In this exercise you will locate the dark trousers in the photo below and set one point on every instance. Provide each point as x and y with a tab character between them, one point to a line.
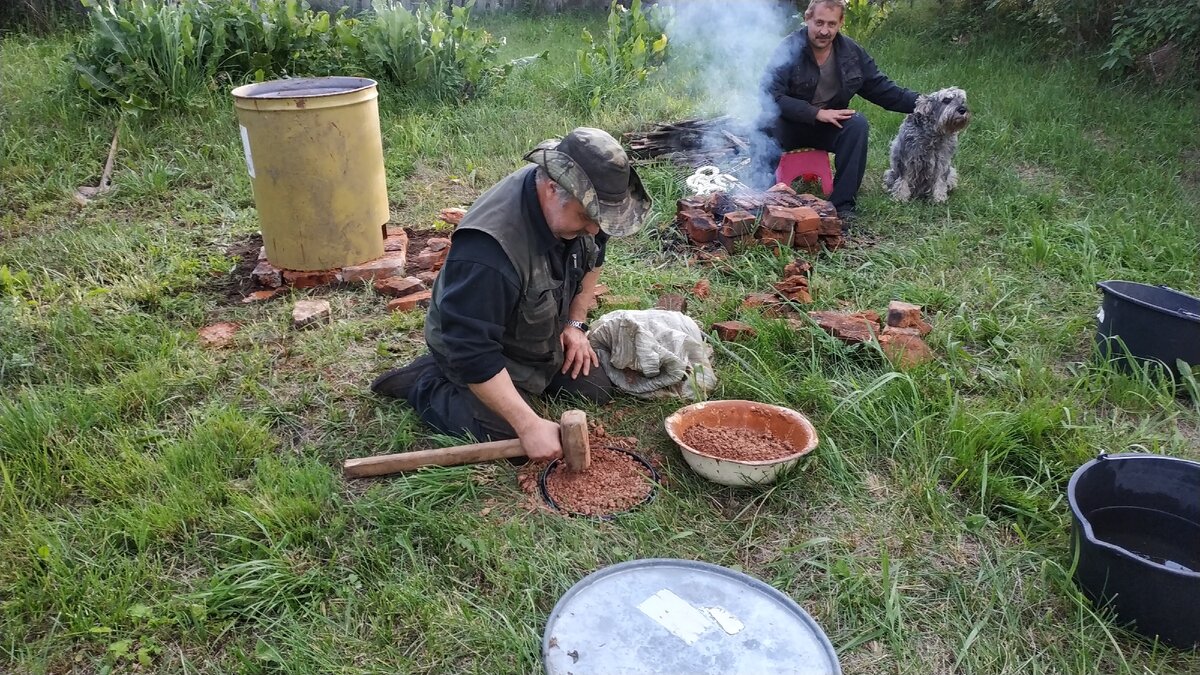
848	145
456	411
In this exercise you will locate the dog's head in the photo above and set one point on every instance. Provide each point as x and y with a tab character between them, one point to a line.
946	109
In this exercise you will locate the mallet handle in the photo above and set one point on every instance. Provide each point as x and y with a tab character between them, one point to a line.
407	461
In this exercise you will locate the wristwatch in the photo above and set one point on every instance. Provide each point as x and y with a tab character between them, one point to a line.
578	324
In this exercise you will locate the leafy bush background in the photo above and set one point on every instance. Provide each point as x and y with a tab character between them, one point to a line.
149	54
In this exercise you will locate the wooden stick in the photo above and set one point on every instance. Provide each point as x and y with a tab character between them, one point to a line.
407	461
106	176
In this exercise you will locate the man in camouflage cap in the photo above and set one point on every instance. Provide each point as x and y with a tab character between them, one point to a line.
507	318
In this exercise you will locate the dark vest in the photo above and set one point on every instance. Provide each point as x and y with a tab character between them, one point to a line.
532	351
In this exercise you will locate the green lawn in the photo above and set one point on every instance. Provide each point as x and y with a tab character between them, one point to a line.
184	507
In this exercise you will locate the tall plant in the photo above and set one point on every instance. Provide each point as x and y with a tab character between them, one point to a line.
432	49
609	68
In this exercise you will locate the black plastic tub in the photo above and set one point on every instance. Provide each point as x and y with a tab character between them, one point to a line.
1155	323
1136	533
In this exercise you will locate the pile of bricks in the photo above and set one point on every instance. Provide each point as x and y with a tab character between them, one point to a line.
407	279
901	338
778	217
792	289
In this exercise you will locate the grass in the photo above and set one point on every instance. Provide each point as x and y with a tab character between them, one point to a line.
181	510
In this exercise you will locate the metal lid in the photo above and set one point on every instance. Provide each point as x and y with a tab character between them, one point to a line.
681	616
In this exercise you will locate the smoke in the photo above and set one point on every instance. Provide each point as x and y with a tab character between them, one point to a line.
729	43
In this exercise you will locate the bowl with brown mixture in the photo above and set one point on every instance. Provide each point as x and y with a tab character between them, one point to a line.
741	442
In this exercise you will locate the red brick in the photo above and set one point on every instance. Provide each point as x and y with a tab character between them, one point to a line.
427	277
309	313
905	350
453	216
266	274
310	279
259	296
758	300
807	220
732	331
849	328
429	260
398	287
831	226
795	288
782	187
437	244
773	238
693	203
795	268
672	302
410	302
779	219
808	241
906	315
396	240
387	265
738	224
699	226
701	289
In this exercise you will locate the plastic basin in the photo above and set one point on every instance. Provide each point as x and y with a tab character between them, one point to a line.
784	424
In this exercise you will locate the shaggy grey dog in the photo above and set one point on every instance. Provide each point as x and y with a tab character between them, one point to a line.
924	147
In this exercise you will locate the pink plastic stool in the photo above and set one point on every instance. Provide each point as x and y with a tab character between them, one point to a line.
805	162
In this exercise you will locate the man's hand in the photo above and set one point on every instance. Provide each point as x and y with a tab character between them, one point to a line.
578	355
541	440
834	117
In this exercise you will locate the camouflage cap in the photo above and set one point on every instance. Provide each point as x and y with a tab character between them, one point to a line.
593	167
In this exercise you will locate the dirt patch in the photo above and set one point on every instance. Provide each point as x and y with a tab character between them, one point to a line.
614	482
239	282
528	474
1034	174
739	445
419	239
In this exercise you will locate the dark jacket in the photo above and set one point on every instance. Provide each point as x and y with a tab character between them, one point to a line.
530	342
792	76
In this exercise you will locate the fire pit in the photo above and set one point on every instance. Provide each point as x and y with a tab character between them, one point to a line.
741	443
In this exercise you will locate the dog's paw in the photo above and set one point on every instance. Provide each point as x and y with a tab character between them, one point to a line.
952	179
940	194
901	191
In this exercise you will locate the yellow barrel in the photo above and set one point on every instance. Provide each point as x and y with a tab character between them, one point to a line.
315	159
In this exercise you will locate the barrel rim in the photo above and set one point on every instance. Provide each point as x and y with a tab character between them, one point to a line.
251	92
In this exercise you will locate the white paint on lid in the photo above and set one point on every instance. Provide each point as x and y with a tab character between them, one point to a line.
726	620
675	614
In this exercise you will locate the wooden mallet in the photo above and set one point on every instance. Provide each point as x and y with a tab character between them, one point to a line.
572	428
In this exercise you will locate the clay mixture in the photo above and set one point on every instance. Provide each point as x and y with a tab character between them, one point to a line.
614	482
739	445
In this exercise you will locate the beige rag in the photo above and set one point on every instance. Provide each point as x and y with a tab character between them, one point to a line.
654	353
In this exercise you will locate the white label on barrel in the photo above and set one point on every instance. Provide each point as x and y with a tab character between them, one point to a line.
1100	315
246	147
675	614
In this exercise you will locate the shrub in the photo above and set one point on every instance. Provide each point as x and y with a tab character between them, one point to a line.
432	50
633	46
1153	24
145	54
863	17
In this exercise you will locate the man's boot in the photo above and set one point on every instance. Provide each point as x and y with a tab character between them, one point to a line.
399	381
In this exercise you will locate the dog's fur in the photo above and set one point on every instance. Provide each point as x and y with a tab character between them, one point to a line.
925	145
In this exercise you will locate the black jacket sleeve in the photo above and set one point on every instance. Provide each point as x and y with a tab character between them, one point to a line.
480	290
880	90
779	70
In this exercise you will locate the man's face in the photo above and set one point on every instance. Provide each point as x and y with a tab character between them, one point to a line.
823	25
572	220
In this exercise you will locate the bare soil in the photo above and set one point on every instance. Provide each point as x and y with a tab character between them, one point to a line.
614	482
739	445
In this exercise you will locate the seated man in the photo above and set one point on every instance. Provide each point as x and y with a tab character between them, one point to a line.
811	78
506	321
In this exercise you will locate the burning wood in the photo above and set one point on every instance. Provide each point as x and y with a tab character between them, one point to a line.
692	143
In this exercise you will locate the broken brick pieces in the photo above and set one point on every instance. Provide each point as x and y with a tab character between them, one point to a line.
733	331
795	288
218	335
699	225
259	296
310	313
672	302
905	350
398	287
388	265
702	289
906	315
851	328
410	302
452	215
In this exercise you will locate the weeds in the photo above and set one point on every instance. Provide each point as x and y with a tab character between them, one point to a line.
609	68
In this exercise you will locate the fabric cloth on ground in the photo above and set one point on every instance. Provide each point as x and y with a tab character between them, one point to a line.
653	353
